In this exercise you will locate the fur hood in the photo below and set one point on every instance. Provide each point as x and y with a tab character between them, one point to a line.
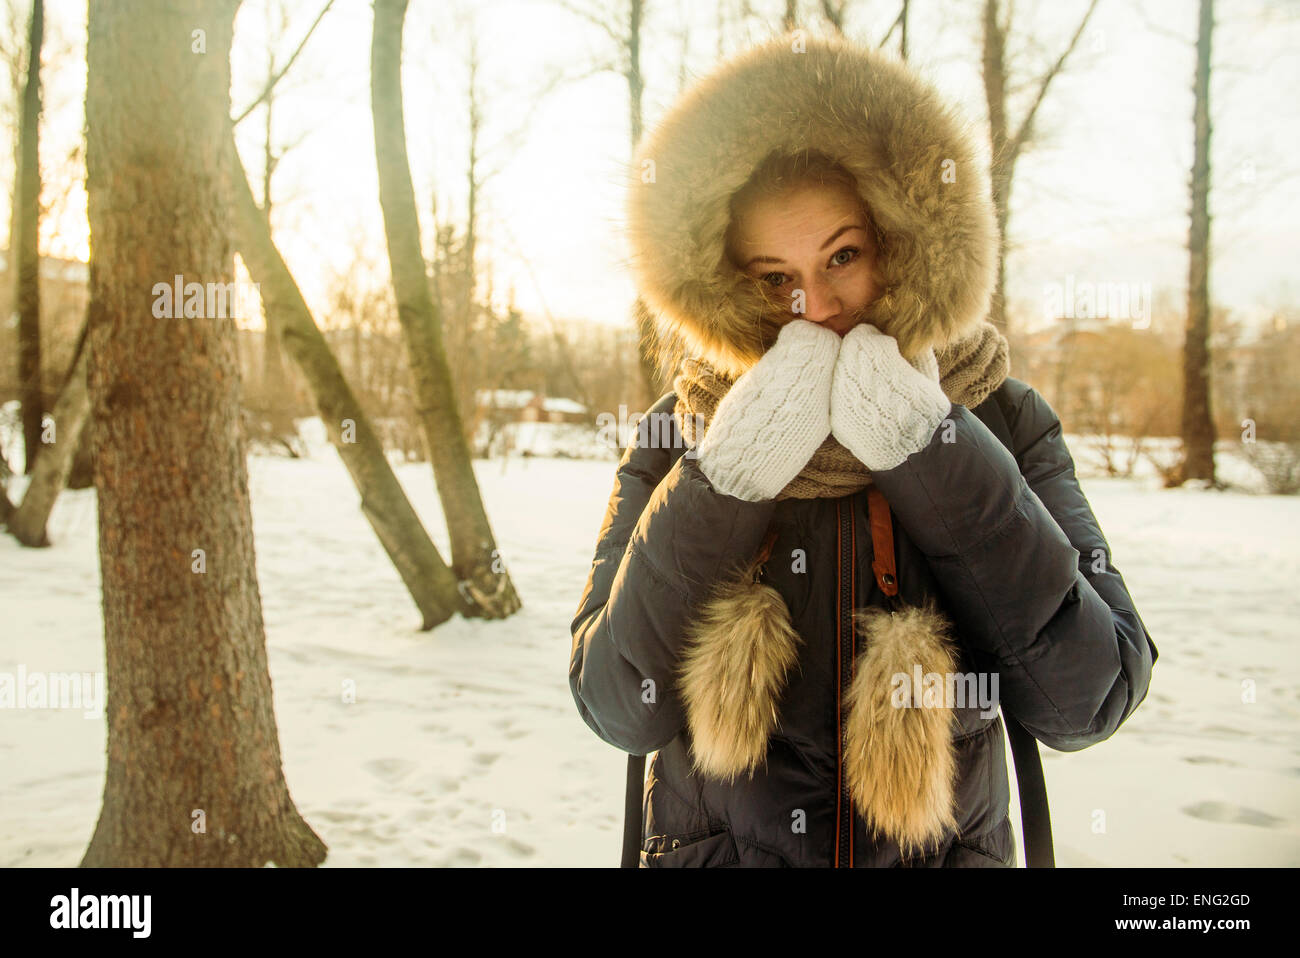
914	158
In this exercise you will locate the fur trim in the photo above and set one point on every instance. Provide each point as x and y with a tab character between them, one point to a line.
914	159
733	672
900	762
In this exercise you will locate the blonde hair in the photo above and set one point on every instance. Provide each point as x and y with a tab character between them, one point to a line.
778	173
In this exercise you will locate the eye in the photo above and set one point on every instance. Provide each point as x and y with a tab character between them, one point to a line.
837	261
775	280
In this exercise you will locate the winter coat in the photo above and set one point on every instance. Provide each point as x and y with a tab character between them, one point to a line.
1002	541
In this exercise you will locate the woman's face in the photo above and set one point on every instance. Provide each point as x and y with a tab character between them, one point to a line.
814	251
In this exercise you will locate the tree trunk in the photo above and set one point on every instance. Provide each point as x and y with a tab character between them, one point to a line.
1197	423
276	399
194	772
651	387
24	249
475	558
82	473
51	474
431	583
993	58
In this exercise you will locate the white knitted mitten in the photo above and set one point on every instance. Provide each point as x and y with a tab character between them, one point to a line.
884	408
774	416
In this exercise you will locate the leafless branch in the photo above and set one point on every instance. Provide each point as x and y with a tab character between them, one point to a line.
272	81
593	17
1026	125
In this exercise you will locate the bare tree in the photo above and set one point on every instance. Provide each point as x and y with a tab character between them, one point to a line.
273	412
455	266
430	582
194	771
28	521
1197	421
475	558
24	242
274	388
835	13
1008	144
899	24
46	345
625	33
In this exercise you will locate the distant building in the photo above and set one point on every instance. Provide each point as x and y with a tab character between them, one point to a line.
526	423
524	405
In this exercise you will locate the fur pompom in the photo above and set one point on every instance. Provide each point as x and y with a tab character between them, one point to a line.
733	672
900	761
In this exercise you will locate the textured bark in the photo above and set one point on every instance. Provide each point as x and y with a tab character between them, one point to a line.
1003	162
276	398
52	470
23	235
430	581
82	473
652	386
1197	423
194	772
474	555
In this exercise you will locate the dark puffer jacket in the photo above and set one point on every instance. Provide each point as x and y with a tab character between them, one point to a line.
1008	546
1003	542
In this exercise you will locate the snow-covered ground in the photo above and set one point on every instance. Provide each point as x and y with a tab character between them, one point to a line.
463	746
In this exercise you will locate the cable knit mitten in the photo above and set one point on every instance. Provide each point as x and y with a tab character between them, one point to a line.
774	416
884	408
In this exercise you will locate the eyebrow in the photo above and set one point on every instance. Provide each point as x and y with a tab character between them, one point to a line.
833	237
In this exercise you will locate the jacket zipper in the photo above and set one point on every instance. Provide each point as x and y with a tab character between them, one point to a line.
845	648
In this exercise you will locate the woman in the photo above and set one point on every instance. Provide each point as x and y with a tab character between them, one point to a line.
817	240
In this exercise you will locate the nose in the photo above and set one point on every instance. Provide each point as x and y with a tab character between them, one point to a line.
821	301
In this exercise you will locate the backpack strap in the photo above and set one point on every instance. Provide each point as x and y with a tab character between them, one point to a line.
632	811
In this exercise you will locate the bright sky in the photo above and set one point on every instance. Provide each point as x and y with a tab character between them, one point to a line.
1102	199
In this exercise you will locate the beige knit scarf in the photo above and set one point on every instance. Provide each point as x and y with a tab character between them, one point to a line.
899	763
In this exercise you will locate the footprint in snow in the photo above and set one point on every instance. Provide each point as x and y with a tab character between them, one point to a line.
389	769
463	858
1228	814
